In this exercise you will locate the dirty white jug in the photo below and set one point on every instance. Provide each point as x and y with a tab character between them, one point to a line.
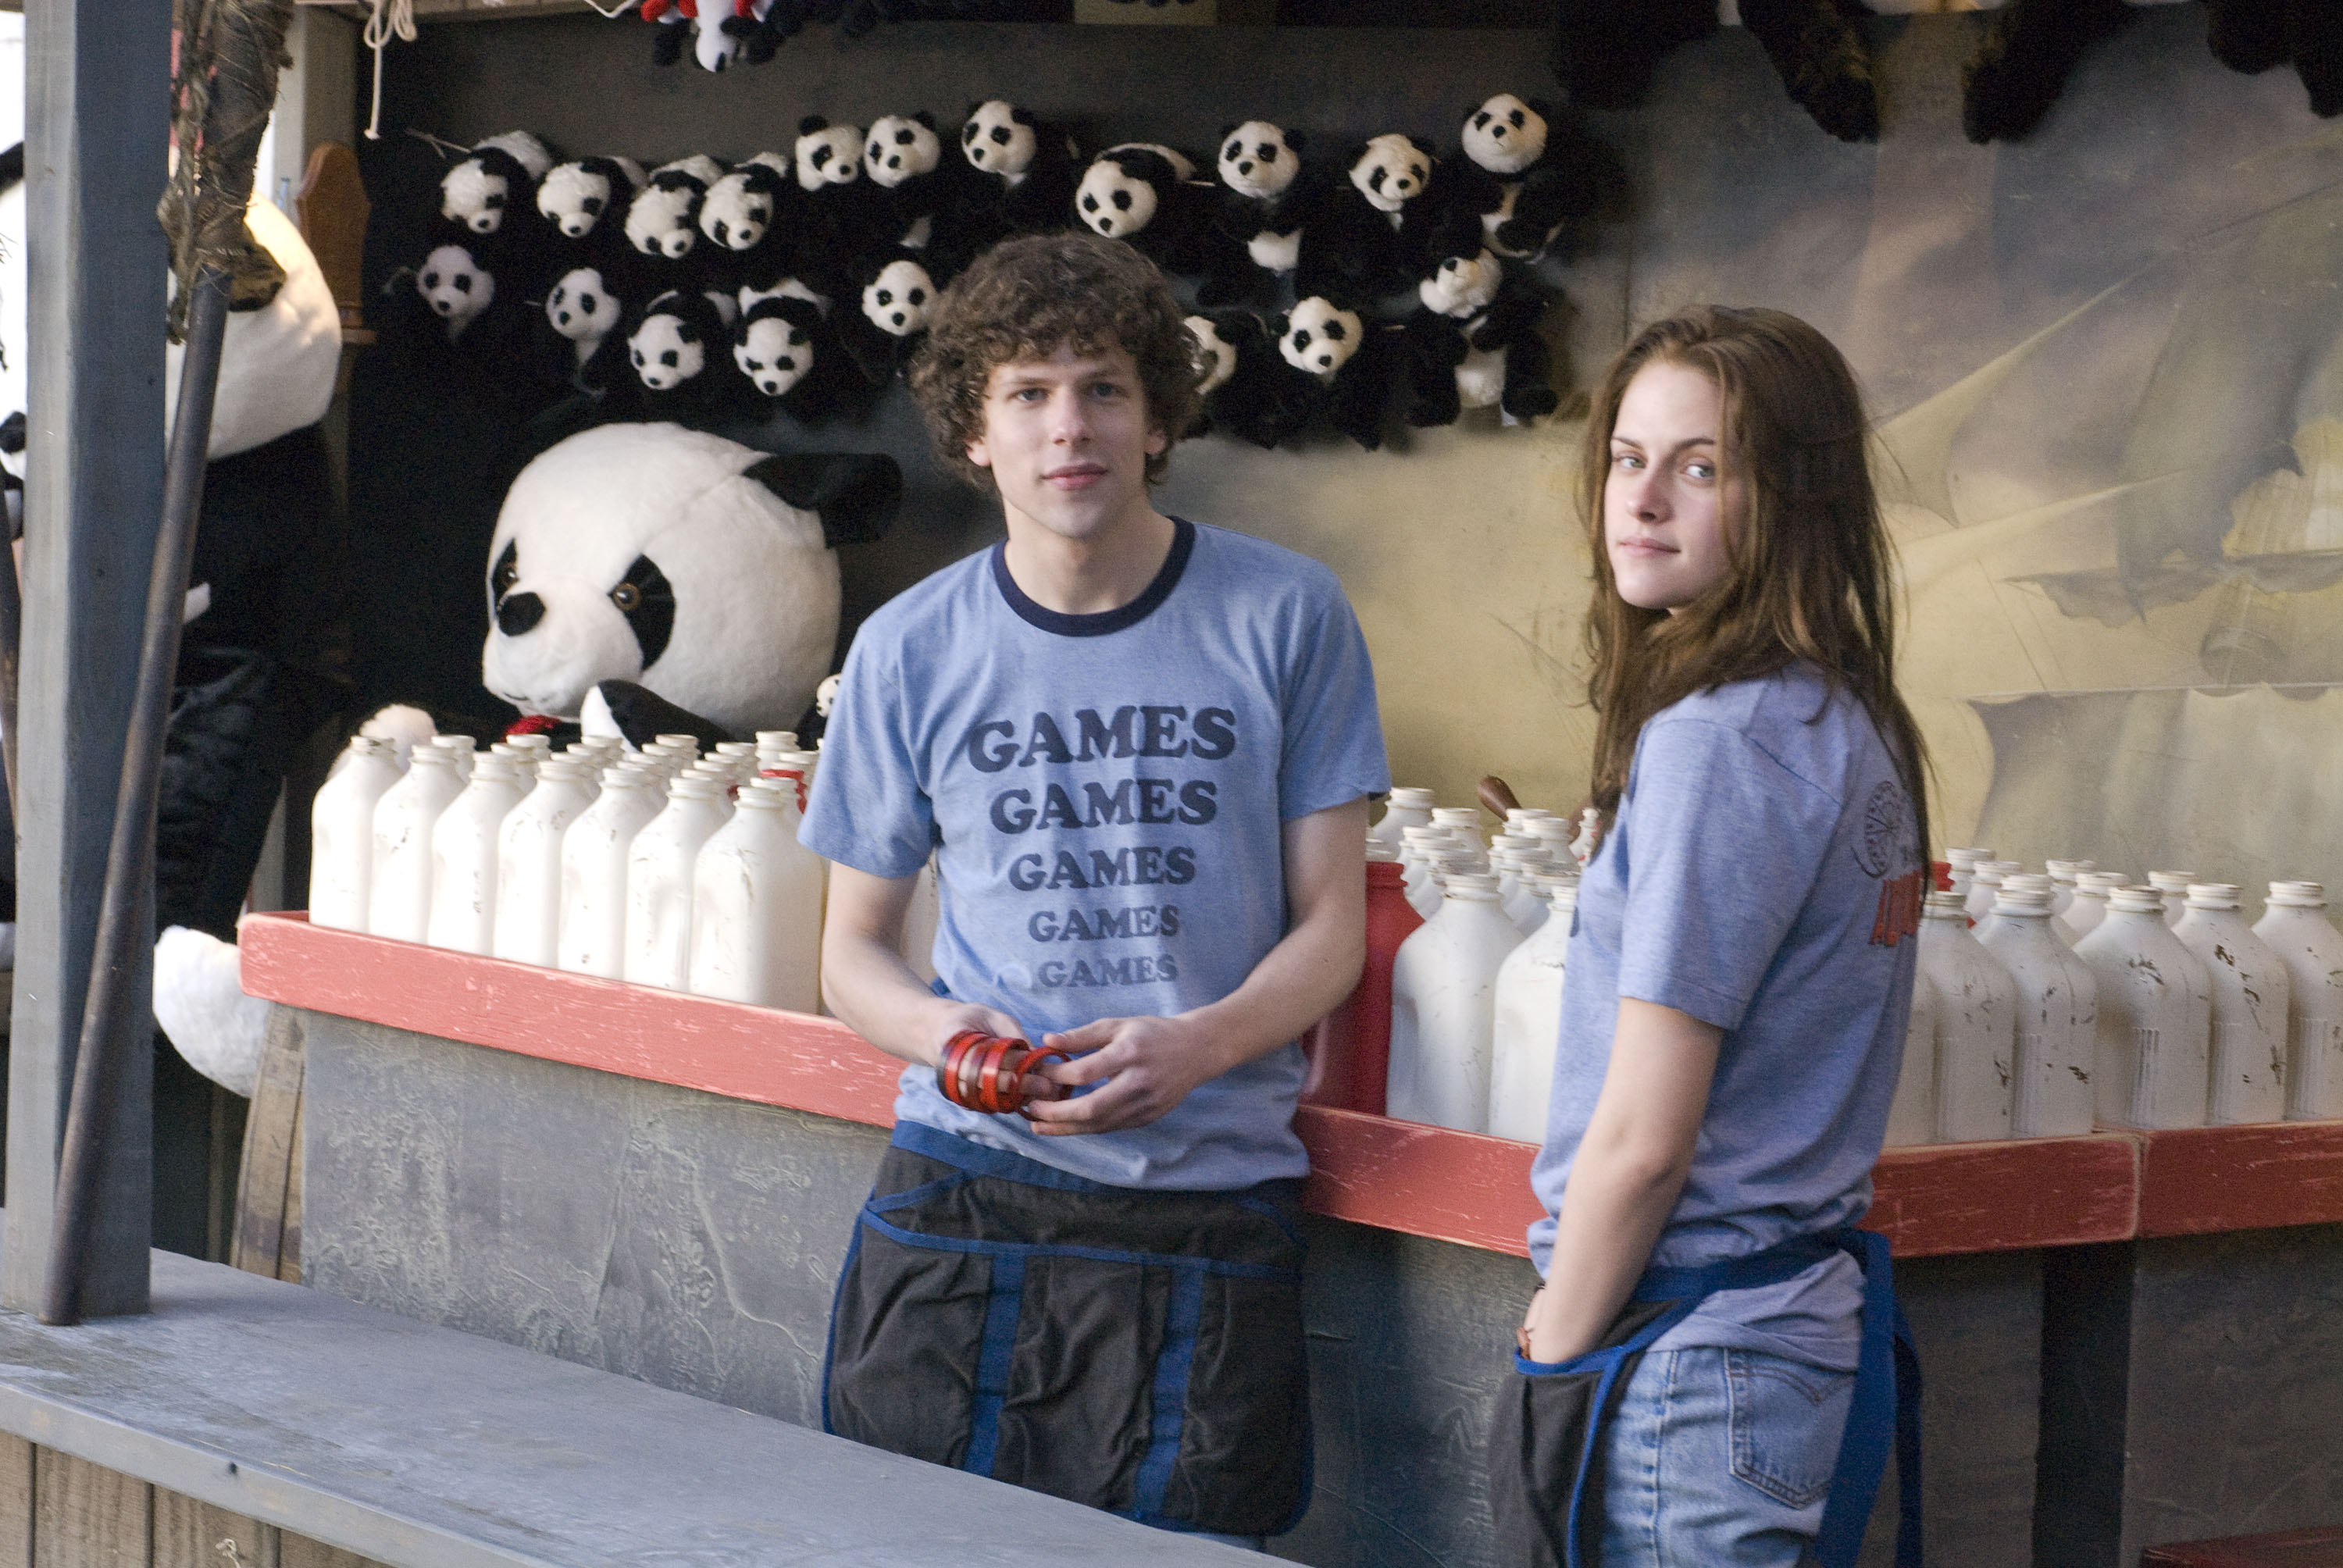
1445	1007
2156	1017
2294	926
2057	1017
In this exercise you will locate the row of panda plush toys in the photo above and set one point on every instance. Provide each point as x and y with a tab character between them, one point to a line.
803	281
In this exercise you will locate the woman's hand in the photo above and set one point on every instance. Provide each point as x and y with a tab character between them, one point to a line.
1521	1334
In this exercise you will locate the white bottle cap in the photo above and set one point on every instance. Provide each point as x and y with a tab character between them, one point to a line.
1470	885
696	787
541	744
1991	872
2033	880
1410	800
432	756
2171	881
736	749
463	743
2068	870
1527	814
2101	881
1428	838
768	799
1553	829
627	776
2135	899
1380	852
1945	906
1457	817
777	739
1963	859
690	741
2214	895
2022	900
2299	895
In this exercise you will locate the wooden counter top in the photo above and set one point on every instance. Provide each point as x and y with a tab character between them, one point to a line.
1401	1176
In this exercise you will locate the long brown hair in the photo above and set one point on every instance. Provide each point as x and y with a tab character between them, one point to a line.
1809	564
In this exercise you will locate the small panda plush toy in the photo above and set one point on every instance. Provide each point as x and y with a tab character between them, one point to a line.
1237	375
784	350
903	159
495	181
898	297
1474	343
663	218
701	570
845	217
1372	236
748	219
574	197
1024	173
457	286
1335	374
1264	200
677	367
582	309
1527	175
1146	195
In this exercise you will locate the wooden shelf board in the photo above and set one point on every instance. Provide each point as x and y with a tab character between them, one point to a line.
1398	1175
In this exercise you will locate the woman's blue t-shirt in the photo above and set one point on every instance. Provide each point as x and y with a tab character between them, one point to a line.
1106	796
1762	875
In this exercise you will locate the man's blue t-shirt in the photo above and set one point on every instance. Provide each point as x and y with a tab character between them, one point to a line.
1761	875
1106	794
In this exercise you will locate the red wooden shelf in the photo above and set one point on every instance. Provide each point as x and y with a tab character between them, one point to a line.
1398	1175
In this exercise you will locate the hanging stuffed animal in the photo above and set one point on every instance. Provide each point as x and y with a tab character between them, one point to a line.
495	181
668	360
2252	36
698	569
1146	196
1373	234
1528	174
1264	200
2030	48
582	309
786	354
1024	171
1335	374
844	217
897	298
750	220
576	198
1238	375
714	45
663	219
1606	50
1474	343
903	160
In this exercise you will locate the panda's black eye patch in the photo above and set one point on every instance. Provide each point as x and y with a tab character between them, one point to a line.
669	359
462	282
754	365
560	296
638	359
971	133
508	571
586	303
1001	136
430	280
886	296
1516	117
1302	337
493	199
918	297
1480	120
1375	180
904	139
1123	201
1268	152
1333	331
648	601
591	207
819	158
1089	204
1232	149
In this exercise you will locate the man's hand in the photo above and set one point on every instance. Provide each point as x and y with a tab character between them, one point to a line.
1144	1067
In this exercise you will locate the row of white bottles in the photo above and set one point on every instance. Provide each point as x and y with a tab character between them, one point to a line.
635	866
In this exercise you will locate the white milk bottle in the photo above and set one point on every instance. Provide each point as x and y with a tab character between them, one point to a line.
1962	864
528	862
2294	926
398	893
2091	891
2062	875
2251	990
1985	883
341	833
2057	1017
1529	1019
1911	1115
1515	896
462	749
593	933
2174	888
463	844
755	907
1974	1001
1445	1007
1589	837
1407	809
659	864
1415	851
2012	881
2156	1017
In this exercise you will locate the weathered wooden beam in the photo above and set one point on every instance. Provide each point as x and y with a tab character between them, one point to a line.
97	131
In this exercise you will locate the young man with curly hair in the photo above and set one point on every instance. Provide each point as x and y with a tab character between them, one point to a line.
1140	750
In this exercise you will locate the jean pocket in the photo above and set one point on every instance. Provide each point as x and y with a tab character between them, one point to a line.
1788	1420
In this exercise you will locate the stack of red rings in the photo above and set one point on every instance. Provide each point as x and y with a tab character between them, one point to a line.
987	1073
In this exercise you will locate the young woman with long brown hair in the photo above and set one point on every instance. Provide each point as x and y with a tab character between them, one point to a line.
1740	977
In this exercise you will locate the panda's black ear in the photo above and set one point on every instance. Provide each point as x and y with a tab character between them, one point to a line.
1227	131
1295	141
642	716
811	123
1421	145
854	493
924	118
1278	325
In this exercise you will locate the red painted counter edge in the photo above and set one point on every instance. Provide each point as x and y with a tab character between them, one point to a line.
2202	1179
1400	1176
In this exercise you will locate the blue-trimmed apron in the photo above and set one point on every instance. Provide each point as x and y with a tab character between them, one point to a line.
1138	1350
1548	1435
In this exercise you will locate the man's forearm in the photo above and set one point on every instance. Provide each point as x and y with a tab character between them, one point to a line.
1299	982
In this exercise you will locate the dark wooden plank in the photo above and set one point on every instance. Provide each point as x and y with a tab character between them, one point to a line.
86	1516
97	99
192	1534
2202	1179
333	208
15	1502
268	1183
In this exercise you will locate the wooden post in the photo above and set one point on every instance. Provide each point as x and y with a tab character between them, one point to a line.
96	133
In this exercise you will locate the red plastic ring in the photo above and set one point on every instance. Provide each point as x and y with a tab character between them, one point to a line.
1051	1090
997	1079
952	1064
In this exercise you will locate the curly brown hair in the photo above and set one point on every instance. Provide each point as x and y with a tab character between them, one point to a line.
1025	299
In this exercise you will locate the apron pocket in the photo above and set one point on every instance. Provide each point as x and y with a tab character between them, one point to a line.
1073	1421
903	1334
1244	1440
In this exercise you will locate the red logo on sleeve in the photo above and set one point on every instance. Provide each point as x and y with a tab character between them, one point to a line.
1899	909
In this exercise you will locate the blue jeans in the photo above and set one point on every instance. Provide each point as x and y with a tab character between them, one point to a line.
1721	1458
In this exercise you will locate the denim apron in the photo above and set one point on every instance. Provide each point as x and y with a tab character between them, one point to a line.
1547	1437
